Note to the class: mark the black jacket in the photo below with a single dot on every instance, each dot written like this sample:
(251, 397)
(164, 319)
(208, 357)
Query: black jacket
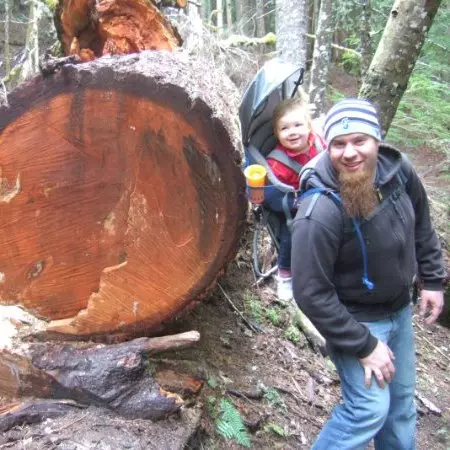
(327, 262)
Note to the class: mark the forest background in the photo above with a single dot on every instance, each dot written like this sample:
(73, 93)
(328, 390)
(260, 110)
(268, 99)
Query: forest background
(241, 35)
(245, 32)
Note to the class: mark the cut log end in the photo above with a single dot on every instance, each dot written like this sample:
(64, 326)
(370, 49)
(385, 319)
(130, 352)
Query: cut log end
(129, 196)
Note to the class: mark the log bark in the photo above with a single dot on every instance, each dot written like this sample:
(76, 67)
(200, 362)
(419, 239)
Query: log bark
(34, 411)
(121, 196)
(54, 378)
(113, 27)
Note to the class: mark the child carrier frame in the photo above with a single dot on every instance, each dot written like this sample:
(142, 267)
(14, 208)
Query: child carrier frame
(276, 81)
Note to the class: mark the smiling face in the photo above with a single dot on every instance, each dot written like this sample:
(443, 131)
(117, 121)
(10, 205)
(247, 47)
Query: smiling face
(292, 130)
(354, 153)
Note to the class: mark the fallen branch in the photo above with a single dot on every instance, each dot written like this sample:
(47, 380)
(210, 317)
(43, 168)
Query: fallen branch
(428, 404)
(311, 333)
(245, 320)
(253, 395)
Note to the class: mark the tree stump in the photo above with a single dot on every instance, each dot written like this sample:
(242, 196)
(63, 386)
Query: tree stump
(121, 194)
(114, 27)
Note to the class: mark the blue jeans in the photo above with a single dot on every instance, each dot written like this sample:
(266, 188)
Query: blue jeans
(386, 415)
(274, 201)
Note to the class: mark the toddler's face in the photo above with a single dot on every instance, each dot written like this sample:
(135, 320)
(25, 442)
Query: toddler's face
(293, 130)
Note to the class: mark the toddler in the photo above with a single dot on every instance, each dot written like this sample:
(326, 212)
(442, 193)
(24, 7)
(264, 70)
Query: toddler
(292, 128)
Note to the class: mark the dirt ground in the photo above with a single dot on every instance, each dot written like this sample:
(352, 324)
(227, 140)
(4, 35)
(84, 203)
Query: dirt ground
(283, 391)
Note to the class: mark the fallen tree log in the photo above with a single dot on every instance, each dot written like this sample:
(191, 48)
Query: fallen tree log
(115, 377)
(34, 411)
(114, 27)
(121, 194)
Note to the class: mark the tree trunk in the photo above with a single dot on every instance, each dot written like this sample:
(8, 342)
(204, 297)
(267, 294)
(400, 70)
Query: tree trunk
(31, 65)
(321, 57)
(125, 176)
(315, 15)
(219, 15)
(387, 77)
(365, 38)
(291, 29)
(310, 42)
(229, 14)
(206, 10)
(245, 17)
(7, 51)
(239, 4)
(194, 40)
(260, 23)
(112, 27)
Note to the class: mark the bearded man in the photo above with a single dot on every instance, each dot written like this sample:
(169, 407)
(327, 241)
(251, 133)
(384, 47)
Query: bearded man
(358, 241)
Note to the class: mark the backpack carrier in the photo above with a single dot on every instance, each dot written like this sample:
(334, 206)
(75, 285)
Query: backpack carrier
(275, 81)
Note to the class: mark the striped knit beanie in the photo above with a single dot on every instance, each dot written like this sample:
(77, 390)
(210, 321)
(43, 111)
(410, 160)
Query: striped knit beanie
(352, 115)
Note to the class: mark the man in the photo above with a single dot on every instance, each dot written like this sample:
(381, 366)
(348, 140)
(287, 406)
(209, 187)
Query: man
(356, 248)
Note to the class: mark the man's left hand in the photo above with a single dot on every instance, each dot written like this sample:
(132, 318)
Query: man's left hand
(432, 302)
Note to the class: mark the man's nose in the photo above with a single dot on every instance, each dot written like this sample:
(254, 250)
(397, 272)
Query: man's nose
(349, 151)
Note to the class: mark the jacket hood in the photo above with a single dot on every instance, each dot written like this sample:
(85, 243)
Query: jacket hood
(324, 174)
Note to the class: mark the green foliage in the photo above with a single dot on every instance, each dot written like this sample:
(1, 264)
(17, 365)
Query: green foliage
(273, 315)
(51, 4)
(211, 401)
(334, 95)
(272, 396)
(351, 62)
(258, 312)
(212, 383)
(275, 429)
(151, 367)
(230, 425)
(292, 333)
(253, 306)
(435, 53)
(422, 116)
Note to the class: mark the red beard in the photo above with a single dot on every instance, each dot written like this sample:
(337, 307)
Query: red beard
(357, 193)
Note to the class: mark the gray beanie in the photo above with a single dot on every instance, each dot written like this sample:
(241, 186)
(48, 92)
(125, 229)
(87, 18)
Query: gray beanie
(352, 115)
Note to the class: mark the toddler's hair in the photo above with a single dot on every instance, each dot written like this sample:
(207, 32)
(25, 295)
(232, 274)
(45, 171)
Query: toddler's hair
(286, 106)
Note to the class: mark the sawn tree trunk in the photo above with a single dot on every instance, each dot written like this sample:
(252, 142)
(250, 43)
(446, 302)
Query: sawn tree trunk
(121, 197)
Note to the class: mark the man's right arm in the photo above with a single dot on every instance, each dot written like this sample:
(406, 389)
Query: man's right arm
(315, 247)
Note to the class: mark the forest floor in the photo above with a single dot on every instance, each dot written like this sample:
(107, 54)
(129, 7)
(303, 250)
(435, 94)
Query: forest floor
(283, 391)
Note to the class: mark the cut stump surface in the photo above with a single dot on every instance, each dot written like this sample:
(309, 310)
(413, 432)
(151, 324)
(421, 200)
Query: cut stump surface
(121, 195)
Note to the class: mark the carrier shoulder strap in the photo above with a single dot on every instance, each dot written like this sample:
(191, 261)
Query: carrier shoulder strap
(336, 198)
(319, 144)
(282, 157)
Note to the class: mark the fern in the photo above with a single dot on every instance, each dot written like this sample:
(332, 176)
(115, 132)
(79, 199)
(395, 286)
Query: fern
(230, 424)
